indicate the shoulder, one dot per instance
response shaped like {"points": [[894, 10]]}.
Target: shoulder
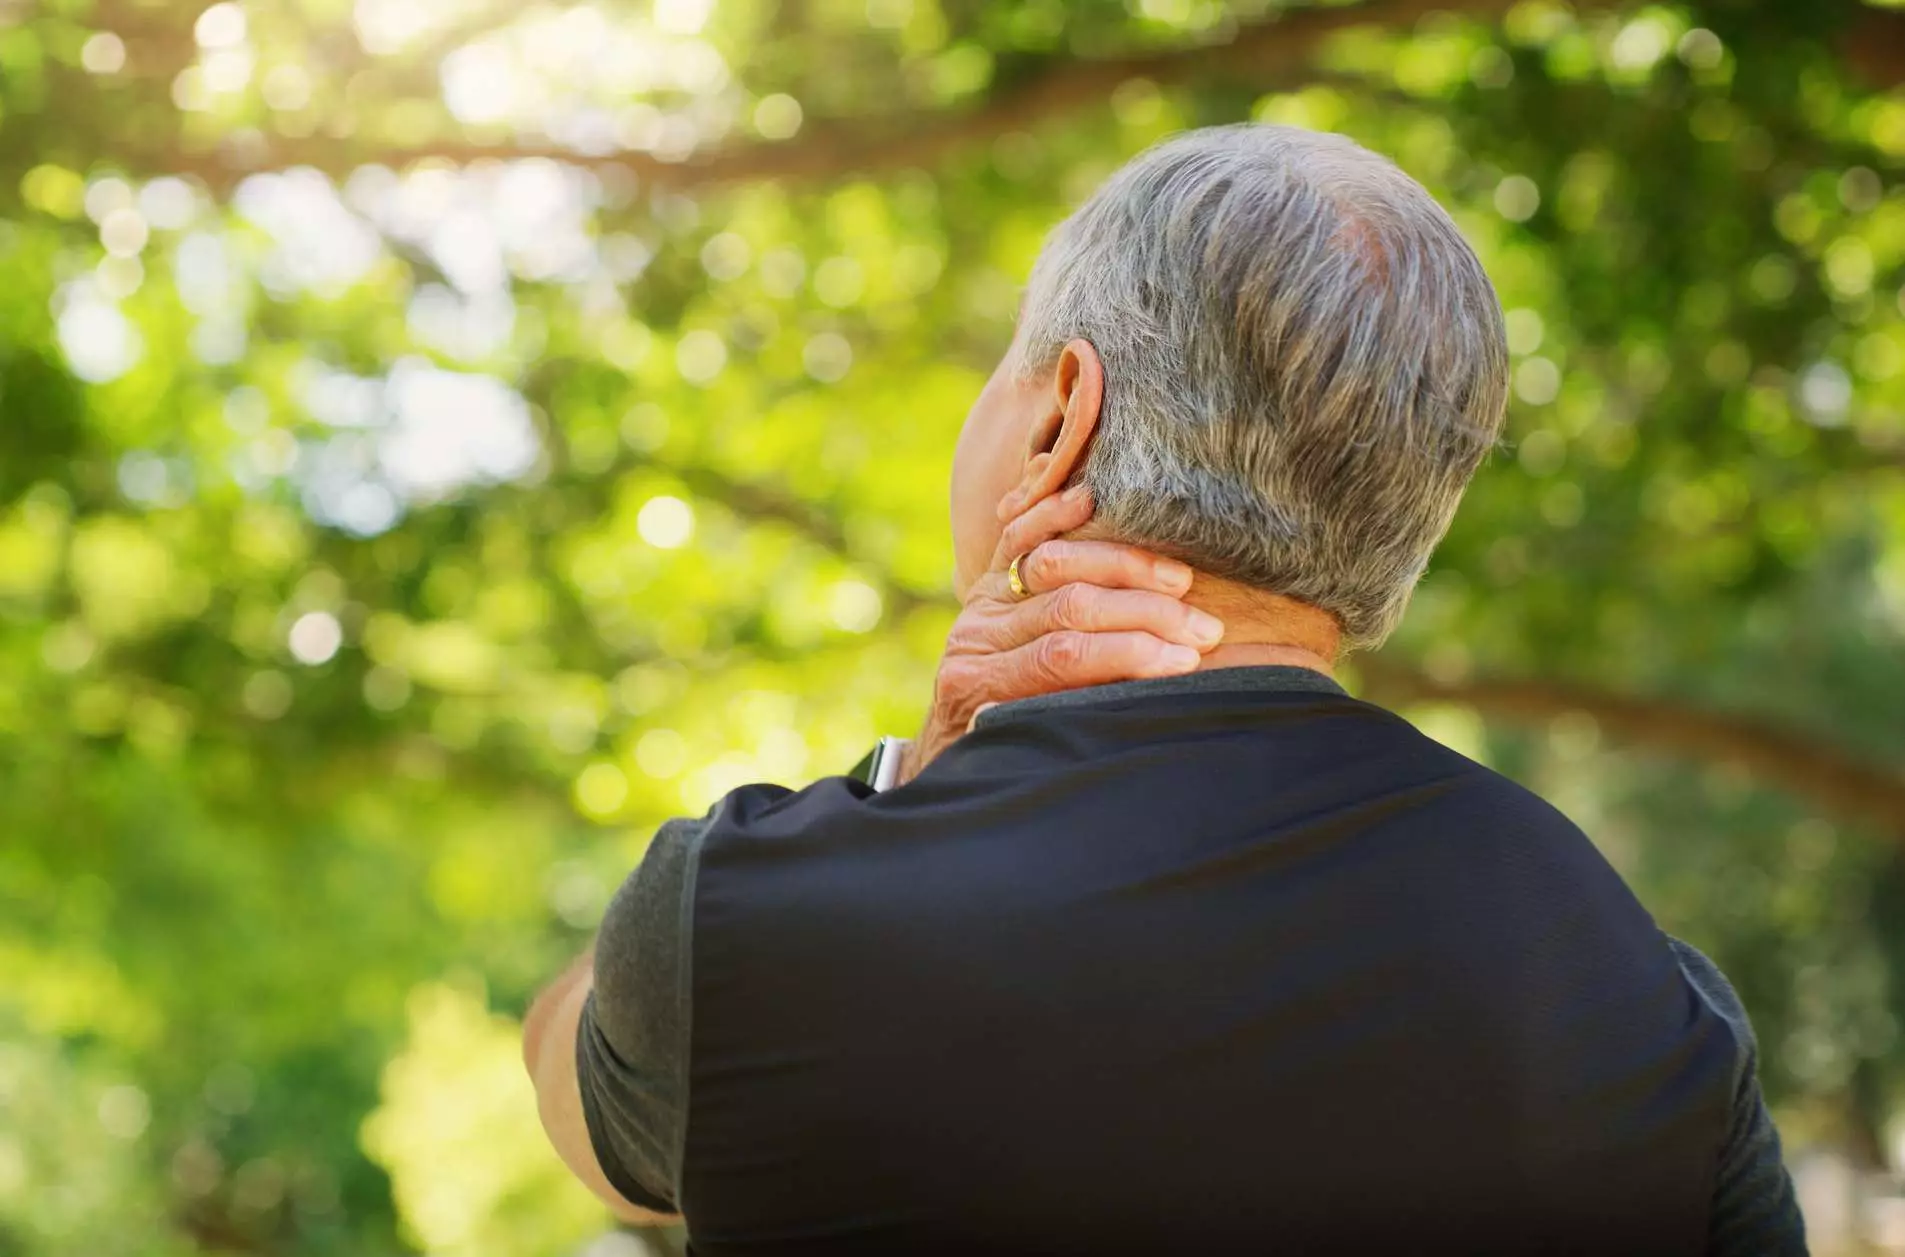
{"points": [[1489, 808], [643, 958], [1718, 995], [779, 833], [769, 811], [1712, 985]]}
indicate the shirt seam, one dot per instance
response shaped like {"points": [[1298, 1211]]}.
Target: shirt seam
{"points": [[1741, 1074], [684, 1004], [1742, 1046]]}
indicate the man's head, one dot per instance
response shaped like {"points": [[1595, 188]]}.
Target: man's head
{"points": [[1269, 353]]}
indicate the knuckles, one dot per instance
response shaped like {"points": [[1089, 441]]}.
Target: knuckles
{"points": [[1058, 655], [1046, 563], [1012, 540], [965, 638], [1069, 607]]}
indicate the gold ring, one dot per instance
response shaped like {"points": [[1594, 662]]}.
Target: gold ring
{"points": [[1019, 588]]}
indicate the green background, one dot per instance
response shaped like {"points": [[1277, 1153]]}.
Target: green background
{"points": [[441, 440]]}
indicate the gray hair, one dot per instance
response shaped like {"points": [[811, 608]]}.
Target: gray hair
{"points": [[1304, 363]]}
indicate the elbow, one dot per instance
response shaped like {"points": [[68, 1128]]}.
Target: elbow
{"points": [[539, 1020]]}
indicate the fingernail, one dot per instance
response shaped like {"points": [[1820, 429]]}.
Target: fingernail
{"points": [[1181, 659], [1175, 577], [1207, 629], [1077, 493]]}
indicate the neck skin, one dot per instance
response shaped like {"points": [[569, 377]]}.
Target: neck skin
{"points": [[1263, 628]]}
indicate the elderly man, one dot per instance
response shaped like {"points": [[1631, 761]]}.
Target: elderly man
{"points": [[1162, 943]]}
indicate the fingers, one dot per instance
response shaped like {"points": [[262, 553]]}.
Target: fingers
{"points": [[1047, 561], [1108, 564], [1048, 518], [1062, 661], [1091, 609], [1053, 564]]}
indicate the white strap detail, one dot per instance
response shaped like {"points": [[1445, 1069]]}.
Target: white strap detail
{"points": [[886, 763]]}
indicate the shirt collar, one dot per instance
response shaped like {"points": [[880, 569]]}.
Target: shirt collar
{"points": [[1266, 679]]}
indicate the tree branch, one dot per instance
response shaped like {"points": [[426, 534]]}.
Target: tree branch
{"points": [[1873, 48], [757, 500], [1837, 782], [1264, 53], [760, 501]]}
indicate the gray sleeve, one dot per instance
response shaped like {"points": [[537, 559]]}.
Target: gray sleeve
{"points": [[1754, 1212], [632, 1045]]}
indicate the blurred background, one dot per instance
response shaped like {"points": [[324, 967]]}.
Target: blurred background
{"points": [[442, 439]]}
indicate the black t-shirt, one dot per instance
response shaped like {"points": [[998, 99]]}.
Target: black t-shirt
{"points": [[1228, 962]]}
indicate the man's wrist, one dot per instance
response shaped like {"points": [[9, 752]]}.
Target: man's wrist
{"points": [[912, 759], [916, 754]]}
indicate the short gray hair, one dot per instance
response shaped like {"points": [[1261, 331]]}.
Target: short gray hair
{"points": [[1304, 362]]}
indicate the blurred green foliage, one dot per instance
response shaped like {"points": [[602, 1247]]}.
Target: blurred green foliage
{"points": [[439, 441]]}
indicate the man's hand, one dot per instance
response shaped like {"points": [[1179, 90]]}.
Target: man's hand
{"points": [[1097, 612]]}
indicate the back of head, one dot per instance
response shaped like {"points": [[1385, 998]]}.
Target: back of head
{"points": [[1304, 362]]}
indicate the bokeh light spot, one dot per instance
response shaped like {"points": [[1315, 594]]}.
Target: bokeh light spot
{"points": [[106, 197], [600, 790], [1701, 48], [665, 522], [839, 281], [700, 356], [682, 17], [104, 53], [315, 637], [855, 606], [267, 695], [726, 256], [1537, 381], [220, 26], [827, 357], [1525, 330], [1517, 198], [99, 342], [124, 1111], [777, 117], [661, 754], [123, 233]]}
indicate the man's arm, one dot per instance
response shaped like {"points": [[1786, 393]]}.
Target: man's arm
{"points": [[549, 1050], [1754, 1212]]}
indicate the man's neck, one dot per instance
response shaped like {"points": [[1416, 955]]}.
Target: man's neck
{"points": [[1262, 629]]}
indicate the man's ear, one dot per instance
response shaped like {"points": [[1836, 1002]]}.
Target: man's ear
{"points": [[1060, 435]]}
